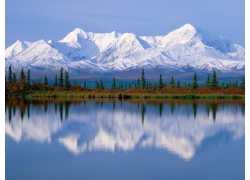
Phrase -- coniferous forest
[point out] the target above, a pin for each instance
(21, 85)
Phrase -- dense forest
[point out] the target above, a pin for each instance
(23, 85)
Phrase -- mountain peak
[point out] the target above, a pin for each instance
(188, 47)
(188, 26)
(16, 48)
(78, 31)
(181, 35)
(74, 36)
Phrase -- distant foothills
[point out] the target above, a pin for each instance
(87, 55)
(21, 85)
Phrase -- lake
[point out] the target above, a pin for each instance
(131, 139)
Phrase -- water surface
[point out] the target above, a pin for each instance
(160, 139)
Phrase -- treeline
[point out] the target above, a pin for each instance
(24, 85)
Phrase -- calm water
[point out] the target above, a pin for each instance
(125, 140)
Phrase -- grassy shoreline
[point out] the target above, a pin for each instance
(126, 95)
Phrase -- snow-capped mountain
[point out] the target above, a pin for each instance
(184, 49)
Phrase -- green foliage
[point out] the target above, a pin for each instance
(10, 75)
(138, 83)
(178, 84)
(113, 87)
(172, 83)
(101, 84)
(61, 79)
(160, 84)
(14, 78)
(22, 77)
(195, 85)
(66, 82)
(45, 81)
(143, 79)
(242, 84)
(214, 82)
(55, 82)
(208, 82)
(97, 85)
(85, 84)
(28, 77)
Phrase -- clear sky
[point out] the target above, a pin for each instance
(32, 20)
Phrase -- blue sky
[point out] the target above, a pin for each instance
(31, 20)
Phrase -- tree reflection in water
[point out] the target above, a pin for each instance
(103, 124)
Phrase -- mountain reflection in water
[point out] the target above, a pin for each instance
(179, 126)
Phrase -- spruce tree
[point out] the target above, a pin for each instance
(138, 83)
(172, 84)
(143, 79)
(22, 77)
(28, 77)
(61, 79)
(55, 82)
(97, 85)
(85, 84)
(160, 85)
(113, 84)
(66, 82)
(214, 82)
(14, 78)
(10, 75)
(101, 84)
(242, 84)
(178, 84)
(195, 85)
(45, 81)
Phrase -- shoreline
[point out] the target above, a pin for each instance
(124, 95)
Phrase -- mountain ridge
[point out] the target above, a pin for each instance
(188, 47)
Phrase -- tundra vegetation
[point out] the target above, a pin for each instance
(211, 88)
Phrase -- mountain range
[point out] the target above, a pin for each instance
(186, 49)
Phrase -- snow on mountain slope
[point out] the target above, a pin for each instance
(81, 45)
(182, 49)
(39, 55)
(16, 48)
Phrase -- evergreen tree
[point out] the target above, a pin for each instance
(208, 82)
(66, 82)
(45, 81)
(143, 79)
(101, 84)
(121, 86)
(55, 82)
(242, 84)
(160, 85)
(178, 84)
(85, 84)
(22, 77)
(61, 79)
(14, 78)
(28, 77)
(172, 84)
(97, 86)
(195, 85)
(138, 83)
(10, 75)
(113, 84)
(214, 82)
